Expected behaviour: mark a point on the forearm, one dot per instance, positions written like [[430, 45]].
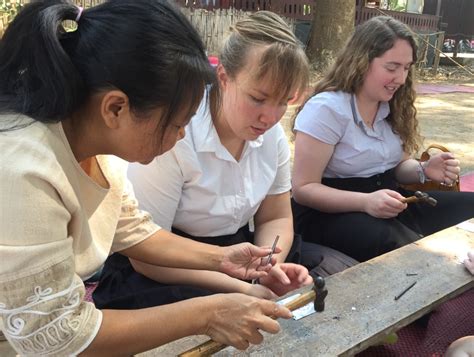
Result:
[[169, 250], [210, 280], [265, 234], [328, 199], [408, 171], [127, 332]]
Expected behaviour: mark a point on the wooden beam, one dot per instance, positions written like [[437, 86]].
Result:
[[361, 308], [438, 7], [437, 54]]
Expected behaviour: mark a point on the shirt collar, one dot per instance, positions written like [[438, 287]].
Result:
[[382, 112]]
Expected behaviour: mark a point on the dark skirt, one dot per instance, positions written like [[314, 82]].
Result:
[[121, 287], [362, 236]]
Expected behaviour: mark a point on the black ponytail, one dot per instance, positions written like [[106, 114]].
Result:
[[146, 48], [38, 77]]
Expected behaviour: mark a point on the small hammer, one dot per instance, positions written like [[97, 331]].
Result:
[[317, 294], [420, 197]]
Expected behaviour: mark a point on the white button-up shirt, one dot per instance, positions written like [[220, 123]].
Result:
[[359, 151], [198, 186]]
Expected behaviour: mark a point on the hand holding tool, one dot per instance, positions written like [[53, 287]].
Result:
[[420, 197], [269, 259], [317, 294]]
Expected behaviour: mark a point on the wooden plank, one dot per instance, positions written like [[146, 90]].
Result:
[[360, 307]]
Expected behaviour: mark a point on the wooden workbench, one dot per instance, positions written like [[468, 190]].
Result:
[[360, 307]]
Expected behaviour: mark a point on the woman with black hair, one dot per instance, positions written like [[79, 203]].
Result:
[[125, 83]]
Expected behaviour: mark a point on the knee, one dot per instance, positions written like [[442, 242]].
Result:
[[369, 237], [367, 229]]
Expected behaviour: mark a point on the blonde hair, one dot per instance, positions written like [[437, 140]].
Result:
[[371, 40], [283, 60]]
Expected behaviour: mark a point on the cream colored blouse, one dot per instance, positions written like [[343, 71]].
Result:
[[57, 227]]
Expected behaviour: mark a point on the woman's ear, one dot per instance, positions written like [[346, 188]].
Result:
[[114, 108], [222, 76]]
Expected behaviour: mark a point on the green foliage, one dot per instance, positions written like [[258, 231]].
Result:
[[10, 8], [397, 5]]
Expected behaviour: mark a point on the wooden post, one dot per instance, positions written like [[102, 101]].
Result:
[[439, 47], [438, 7], [423, 50]]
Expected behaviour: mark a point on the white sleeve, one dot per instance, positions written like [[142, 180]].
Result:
[[158, 187], [320, 119], [282, 182], [42, 311]]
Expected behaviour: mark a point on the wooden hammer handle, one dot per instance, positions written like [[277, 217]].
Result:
[[210, 347], [207, 348], [410, 199]]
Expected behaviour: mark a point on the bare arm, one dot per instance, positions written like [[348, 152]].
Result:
[[159, 257], [163, 248], [168, 249], [311, 159], [274, 217], [442, 167], [210, 280], [406, 171], [232, 319]]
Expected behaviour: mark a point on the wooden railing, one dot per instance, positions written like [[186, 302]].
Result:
[[304, 9], [296, 9], [417, 22]]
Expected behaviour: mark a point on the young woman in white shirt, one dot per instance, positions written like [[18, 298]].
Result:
[[124, 83], [232, 165], [354, 141]]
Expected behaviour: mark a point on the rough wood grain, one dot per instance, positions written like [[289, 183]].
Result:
[[360, 306]]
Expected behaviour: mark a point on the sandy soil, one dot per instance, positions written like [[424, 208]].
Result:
[[448, 119]]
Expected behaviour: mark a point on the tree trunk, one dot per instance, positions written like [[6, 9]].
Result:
[[333, 23]]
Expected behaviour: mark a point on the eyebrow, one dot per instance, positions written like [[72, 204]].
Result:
[[399, 64]]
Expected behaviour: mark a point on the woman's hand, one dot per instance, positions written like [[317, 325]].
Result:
[[235, 319], [246, 261], [384, 204], [286, 277], [469, 262], [443, 168]]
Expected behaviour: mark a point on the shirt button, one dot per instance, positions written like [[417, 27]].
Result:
[[379, 183]]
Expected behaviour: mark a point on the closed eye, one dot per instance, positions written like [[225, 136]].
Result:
[[257, 100]]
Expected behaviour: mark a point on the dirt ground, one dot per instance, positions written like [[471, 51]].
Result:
[[446, 118]]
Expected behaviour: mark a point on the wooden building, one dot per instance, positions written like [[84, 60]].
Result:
[[457, 17]]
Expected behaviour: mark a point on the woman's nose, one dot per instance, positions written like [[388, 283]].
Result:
[[272, 115]]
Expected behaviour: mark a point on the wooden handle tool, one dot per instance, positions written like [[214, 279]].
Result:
[[317, 294], [420, 197]]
